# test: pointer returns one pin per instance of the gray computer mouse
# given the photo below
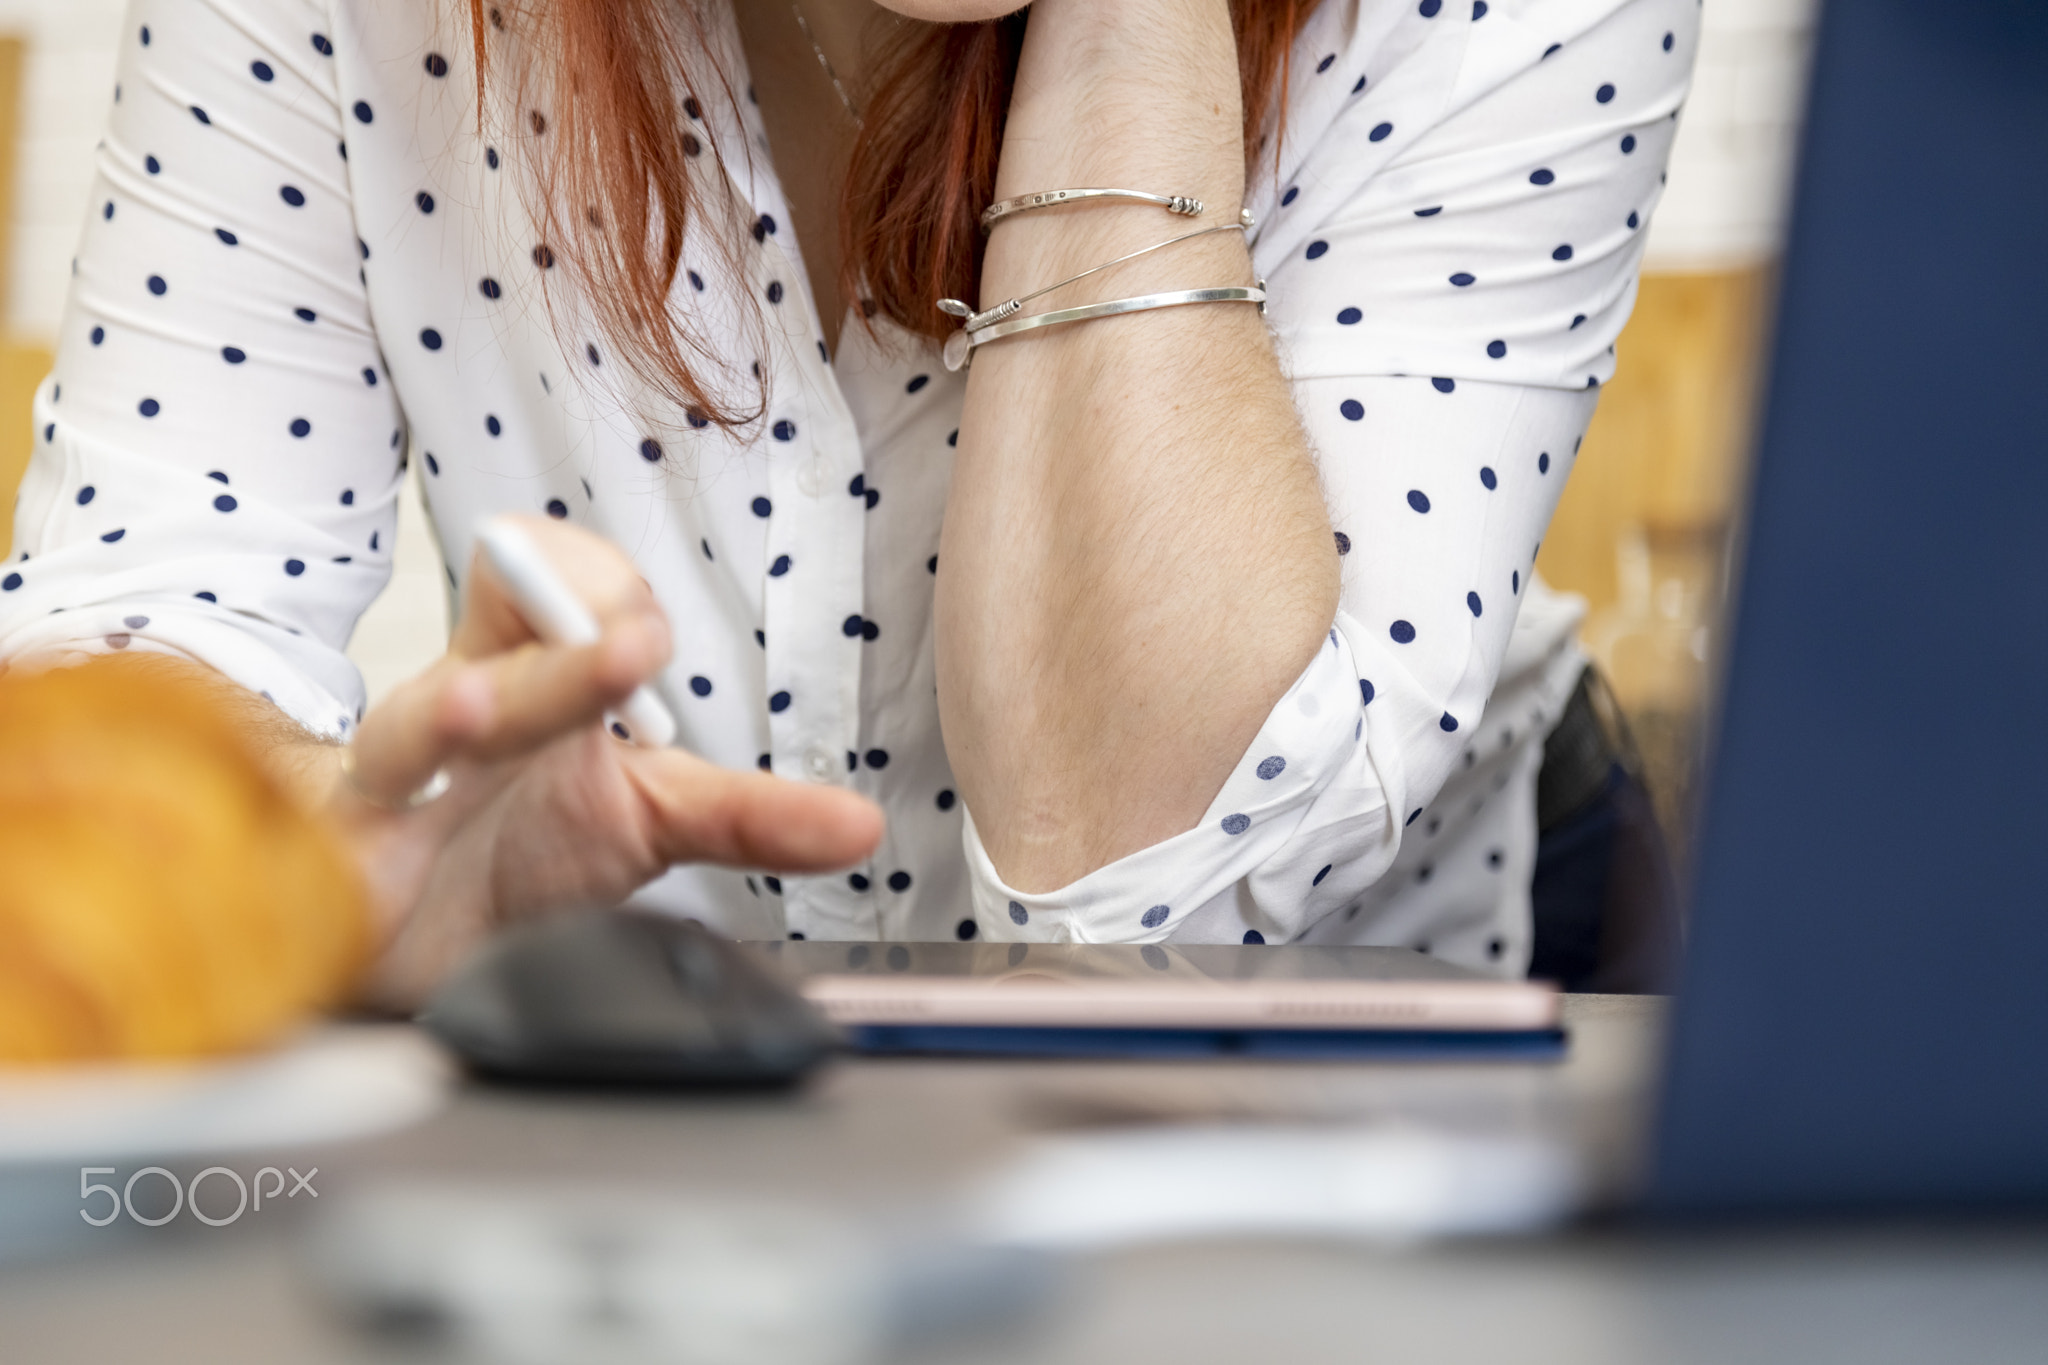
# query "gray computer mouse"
(619, 997)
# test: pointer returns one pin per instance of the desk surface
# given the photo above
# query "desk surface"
(888, 1136)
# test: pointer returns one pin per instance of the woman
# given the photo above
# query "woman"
(1181, 624)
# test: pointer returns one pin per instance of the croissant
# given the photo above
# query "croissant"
(160, 893)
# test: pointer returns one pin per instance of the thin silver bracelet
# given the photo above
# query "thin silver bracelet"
(1045, 199)
(960, 346)
(976, 321)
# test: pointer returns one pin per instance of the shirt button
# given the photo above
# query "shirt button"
(820, 763)
(810, 480)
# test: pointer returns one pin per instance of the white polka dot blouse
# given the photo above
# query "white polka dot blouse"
(305, 266)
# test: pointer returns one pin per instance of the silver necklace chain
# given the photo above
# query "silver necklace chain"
(825, 65)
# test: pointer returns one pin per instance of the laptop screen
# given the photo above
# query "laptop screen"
(1863, 1020)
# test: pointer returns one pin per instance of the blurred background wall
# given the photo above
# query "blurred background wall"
(1644, 525)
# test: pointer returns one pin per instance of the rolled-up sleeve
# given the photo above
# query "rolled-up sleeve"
(1450, 256)
(218, 450)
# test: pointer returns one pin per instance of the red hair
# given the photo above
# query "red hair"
(624, 89)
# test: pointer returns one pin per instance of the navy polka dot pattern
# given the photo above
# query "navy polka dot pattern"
(256, 260)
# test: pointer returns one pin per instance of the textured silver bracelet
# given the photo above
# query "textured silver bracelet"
(960, 346)
(976, 321)
(1173, 203)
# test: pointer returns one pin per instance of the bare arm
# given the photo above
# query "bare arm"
(1137, 558)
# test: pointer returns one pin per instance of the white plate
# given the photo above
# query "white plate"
(330, 1085)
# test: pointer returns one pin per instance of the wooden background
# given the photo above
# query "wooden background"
(1668, 443)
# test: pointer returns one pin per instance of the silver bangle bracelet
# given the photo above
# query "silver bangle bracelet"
(976, 321)
(1045, 199)
(960, 346)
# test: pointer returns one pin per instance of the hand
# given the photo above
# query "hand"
(548, 811)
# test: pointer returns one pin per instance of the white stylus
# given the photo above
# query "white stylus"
(560, 617)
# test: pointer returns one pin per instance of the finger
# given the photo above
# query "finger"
(595, 570)
(705, 813)
(499, 707)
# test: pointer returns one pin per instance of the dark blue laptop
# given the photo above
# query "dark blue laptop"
(1863, 1022)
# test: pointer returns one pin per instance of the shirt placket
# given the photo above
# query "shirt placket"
(811, 657)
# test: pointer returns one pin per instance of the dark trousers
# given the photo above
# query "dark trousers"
(1604, 897)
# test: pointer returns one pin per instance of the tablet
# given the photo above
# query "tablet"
(1105, 1000)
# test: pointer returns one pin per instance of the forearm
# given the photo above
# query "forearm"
(303, 764)
(1138, 561)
